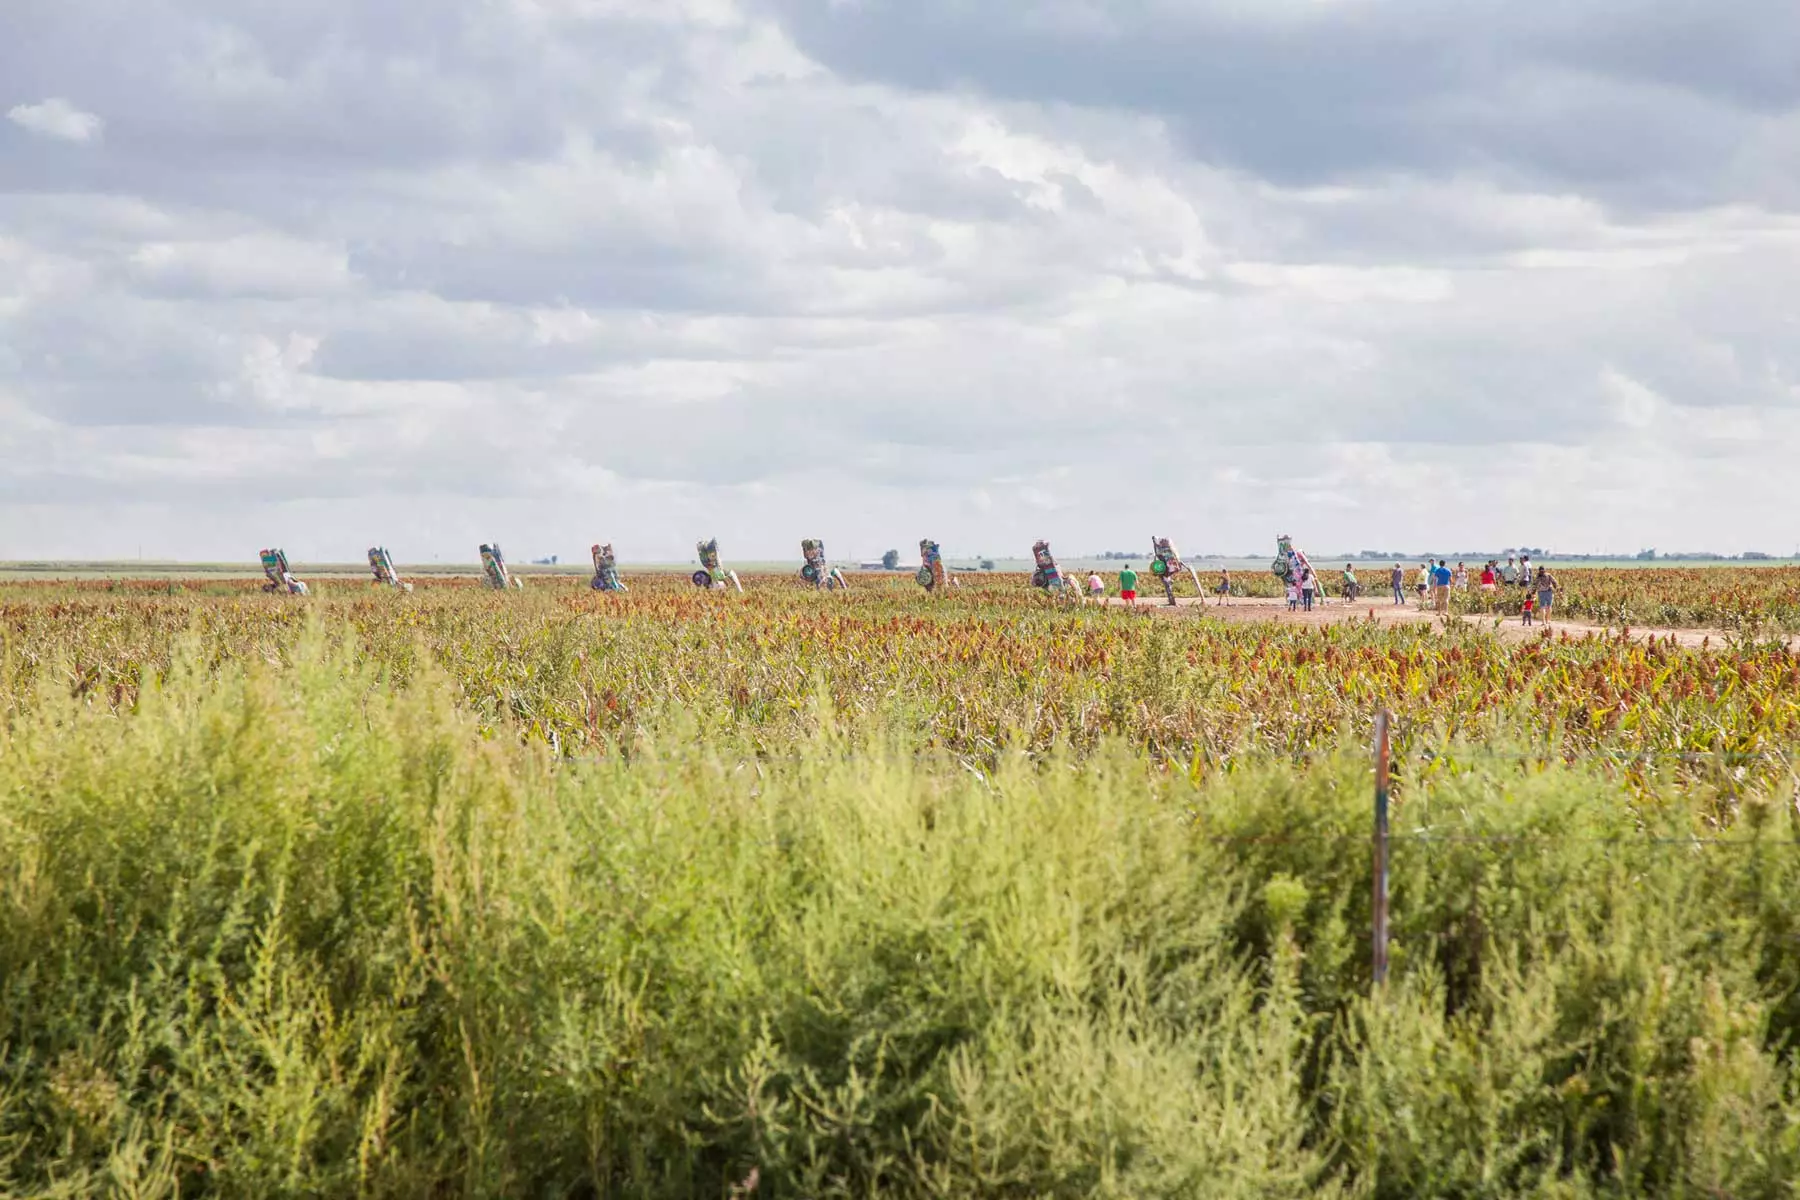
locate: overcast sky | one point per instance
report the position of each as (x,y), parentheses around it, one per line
(321,273)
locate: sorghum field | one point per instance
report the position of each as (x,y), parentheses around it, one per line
(792,894)
(1754,600)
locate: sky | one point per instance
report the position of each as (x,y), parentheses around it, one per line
(428,273)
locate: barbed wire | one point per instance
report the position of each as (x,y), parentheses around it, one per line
(1452,839)
(1575,754)
(1601,754)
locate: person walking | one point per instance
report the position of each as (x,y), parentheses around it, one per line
(1546,591)
(1308,585)
(1293,592)
(1487,577)
(1224,588)
(1525,613)
(1352,589)
(1398,582)
(1440,579)
(1128,585)
(1525,572)
(1509,574)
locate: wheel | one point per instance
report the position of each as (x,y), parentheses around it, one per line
(702,579)
(923,575)
(1158,567)
(1279,568)
(1039,579)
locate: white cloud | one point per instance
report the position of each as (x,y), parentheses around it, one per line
(247,266)
(1635,405)
(57,118)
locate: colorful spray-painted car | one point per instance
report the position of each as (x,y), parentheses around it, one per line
(816,569)
(281,580)
(1046,575)
(1166,565)
(931,574)
(1290,565)
(711,574)
(381,565)
(493,563)
(606,571)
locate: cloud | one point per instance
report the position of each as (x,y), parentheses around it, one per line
(552,270)
(1661,105)
(58,119)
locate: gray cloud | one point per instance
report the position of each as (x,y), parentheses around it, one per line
(1651,104)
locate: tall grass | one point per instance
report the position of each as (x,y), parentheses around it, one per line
(285,929)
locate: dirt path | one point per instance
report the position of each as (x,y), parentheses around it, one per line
(1383,611)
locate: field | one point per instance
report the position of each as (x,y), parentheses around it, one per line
(681,894)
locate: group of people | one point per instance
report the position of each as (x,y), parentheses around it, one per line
(1303,588)
(1436,581)
(1127,586)
(1516,571)
(1096,586)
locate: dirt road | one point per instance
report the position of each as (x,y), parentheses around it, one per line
(1384,611)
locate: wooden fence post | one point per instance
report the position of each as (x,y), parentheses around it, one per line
(1379,909)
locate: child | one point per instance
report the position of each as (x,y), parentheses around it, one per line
(1529,601)
(1293,589)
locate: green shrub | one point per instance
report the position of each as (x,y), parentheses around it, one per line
(289,929)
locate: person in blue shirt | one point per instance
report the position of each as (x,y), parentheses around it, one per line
(1440,585)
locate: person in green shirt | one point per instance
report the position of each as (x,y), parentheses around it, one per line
(1128,585)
